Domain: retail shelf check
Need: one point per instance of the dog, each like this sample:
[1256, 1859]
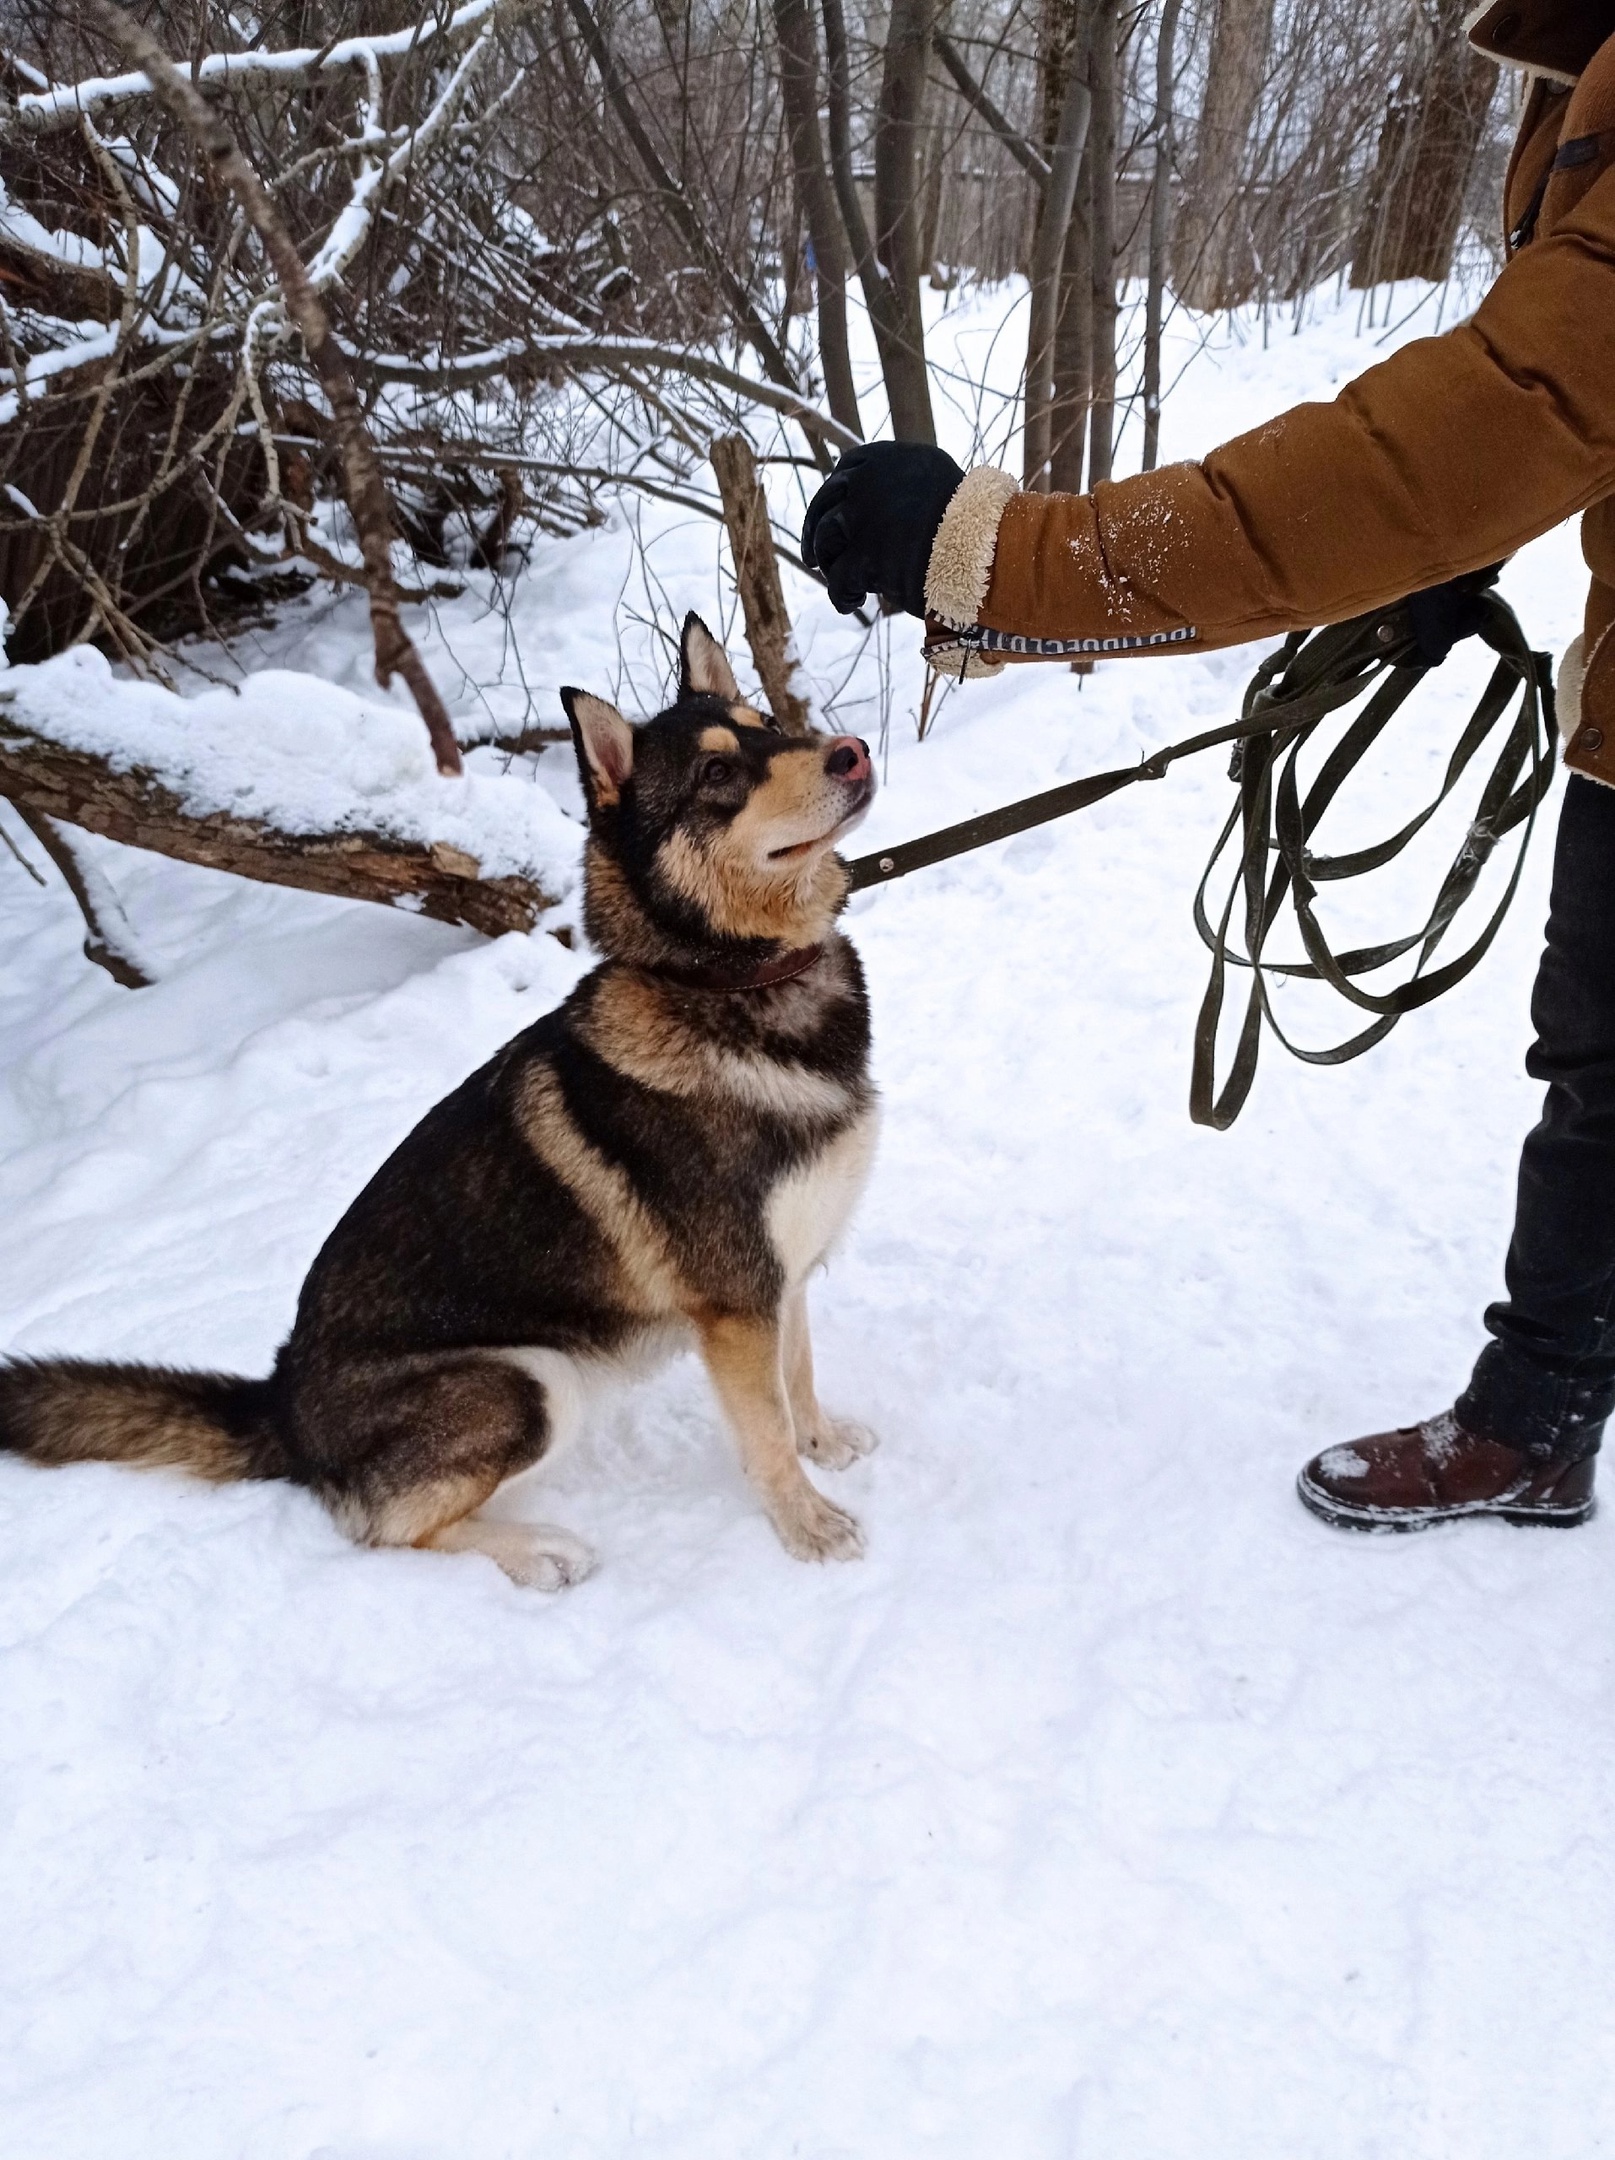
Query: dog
[662, 1161]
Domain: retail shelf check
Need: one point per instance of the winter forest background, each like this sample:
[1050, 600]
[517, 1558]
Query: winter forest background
[1110, 1808]
[567, 250]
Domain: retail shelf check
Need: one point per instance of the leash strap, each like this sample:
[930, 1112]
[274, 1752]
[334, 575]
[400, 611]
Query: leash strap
[1295, 689]
[1019, 817]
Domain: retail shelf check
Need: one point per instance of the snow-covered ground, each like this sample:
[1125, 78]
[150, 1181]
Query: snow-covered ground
[1111, 1809]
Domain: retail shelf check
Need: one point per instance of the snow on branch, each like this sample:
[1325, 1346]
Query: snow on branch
[41, 112]
[154, 353]
[352, 227]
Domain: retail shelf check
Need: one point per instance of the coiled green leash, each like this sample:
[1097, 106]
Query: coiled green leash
[1310, 677]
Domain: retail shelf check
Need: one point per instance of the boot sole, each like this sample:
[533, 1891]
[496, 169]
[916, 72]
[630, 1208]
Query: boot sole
[1342, 1515]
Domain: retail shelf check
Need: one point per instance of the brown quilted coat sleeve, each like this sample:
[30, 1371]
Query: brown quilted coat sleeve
[1447, 456]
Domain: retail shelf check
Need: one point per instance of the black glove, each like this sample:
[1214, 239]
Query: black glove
[870, 527]
[1442, 615]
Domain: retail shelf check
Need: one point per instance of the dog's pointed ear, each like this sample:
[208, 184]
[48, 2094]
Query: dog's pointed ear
[704, 668]
[604, 742]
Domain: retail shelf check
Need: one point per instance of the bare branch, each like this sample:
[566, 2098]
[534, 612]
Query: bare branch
[479, 458]
[676, 201]
[1026, 157]
[367, 490]
[108, 939]
[12, 848]
[617, 355]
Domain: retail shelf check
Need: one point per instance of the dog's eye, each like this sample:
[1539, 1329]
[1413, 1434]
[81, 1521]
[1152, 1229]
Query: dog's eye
[716, 771]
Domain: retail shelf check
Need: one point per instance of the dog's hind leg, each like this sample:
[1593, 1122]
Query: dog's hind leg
[538, 1556]
[830, 1441]
[438, 1443]
[744, 1356]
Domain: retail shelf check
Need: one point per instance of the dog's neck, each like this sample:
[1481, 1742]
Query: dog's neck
[728, 976]
[623, 931]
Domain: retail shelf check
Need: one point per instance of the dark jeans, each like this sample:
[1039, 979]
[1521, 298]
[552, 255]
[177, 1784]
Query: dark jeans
[1546, 1381]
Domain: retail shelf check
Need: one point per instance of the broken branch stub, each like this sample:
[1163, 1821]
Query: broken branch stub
[762, 598]
[367, 494]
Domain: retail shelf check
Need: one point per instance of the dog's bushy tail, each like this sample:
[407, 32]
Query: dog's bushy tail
[66, 1410]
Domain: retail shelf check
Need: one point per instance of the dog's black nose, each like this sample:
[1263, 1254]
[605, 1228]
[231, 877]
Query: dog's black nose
[847, 758]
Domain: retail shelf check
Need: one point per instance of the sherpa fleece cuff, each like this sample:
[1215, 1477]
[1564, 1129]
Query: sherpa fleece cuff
[961, 565]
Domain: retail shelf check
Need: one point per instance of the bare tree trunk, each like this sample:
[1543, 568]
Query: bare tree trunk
[898, 121]
[1059, 328]
[1072, 387]
[902, 362]
[798, 38]
[1102, 164]
[1166, 39]
[931, 195]
[1048, 257]
[1214, 263]
[1433, 125]
[1063, 58]
[367, 494]
[762, 599]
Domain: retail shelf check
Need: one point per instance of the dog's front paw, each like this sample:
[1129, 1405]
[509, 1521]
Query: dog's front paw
[813, 1528]
[836, 1442]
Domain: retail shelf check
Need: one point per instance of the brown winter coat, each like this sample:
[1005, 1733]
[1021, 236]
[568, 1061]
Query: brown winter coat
[1447, 456]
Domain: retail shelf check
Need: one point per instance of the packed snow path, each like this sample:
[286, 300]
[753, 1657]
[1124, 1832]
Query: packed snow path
[1111, 1809]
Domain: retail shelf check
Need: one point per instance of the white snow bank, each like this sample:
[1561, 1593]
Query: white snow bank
[302, 754]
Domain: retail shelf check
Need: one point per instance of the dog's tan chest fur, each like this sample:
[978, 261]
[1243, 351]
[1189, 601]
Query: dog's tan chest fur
[808, 1210]
[633, 1027]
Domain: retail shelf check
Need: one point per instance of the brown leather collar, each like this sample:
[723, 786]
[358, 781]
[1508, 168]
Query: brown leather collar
[785, 969]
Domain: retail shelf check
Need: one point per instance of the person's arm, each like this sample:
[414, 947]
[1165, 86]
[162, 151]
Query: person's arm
[1450, 454]
[1453, 452]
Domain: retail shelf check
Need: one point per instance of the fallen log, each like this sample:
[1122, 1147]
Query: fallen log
[79, 787]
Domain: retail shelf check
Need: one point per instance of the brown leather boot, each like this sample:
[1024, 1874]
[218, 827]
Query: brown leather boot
[1436, 1472]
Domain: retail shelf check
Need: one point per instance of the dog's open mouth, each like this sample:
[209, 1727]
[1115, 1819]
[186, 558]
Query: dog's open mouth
[799, 848]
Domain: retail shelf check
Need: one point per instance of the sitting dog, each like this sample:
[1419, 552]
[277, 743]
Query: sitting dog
[664, 1160]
